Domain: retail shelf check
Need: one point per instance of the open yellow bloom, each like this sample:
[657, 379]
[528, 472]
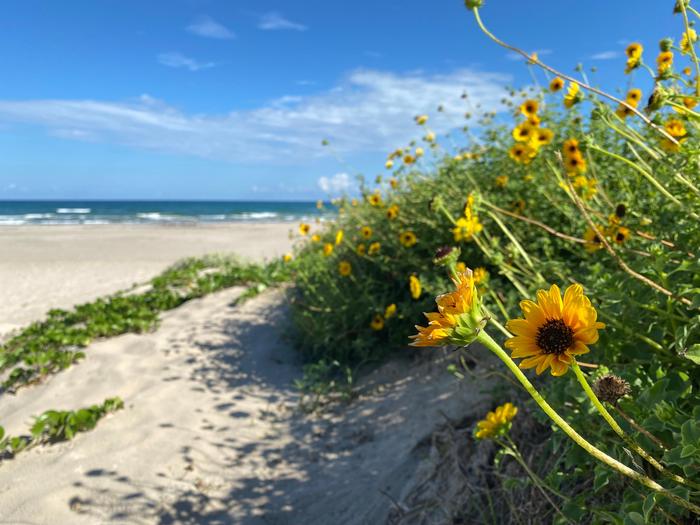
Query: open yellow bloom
[408, 159]
[389, 164]
[361, 249]
[588, 186]
[415, 286]
[374, 248]
[634, 56]
[522, 153]
[327, 249]
[344, 268]
[338, 237]
[501, 181]
[573, 95]
[496, 423]
[593, 242]
[480, 275]
[377, 322]
[557, 84]
[677, 130]
[419, 152]
[664, 62]
[392, 212]
[529, 107]
[466, 227]
[390, 311]
[524, 131]
[554, 331]
[408, 239]
[287, 257]
[633, 97]
[375, 199]
[570, 148]
[366, 232]
[621, 235]
[458, 319]
[687, 40]
[315, 237]
[575, 164]
[421, 119]
[304, 228]
[541, 137]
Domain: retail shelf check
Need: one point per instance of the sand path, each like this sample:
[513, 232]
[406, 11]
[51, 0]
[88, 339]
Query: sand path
[210, 434]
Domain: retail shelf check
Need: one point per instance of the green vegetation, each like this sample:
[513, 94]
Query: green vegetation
[54, 426]
[56, 343]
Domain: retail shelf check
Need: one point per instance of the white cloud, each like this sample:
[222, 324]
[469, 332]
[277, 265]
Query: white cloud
[273, 20]
[606, 55]
[517, 56]
[336, 185]
[368, 111]
[178, 60]
[209, 28]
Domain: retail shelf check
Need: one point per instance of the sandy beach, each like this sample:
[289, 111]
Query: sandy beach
[44, 267]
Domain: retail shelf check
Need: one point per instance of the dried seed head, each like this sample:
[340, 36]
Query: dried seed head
[611, 388]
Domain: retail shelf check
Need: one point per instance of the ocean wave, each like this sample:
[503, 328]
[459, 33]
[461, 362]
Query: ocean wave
[76, 211]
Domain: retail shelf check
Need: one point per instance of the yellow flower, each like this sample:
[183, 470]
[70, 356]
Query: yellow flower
[573, 95]
[587, 186]
[361, 249]
[458, 158]
[415, 286]
[466, 227]
[524, 131]
[460, 267]
[541, 137]
[315, 237]
[501, 181]
[375, 199]
[408, 239]
[556, 84]
[480, 275]
[394, 182]
[529, 107]
[633, 97]
[354, 202]
[458, 318]
[327, 249]
[664, 62]
[366, 232]
[687, 71]
[621, 235]
[390, 311]
[496, 423]
[392, 212]
[534, 121]
[344, 268]
[319, 205]
[377, 322]
[408, 159]
[575, 164]
[570, 148]
[338, 237]
[287, 257]
[593, 242]
[421, 119]
[554, 331]
[634, 56]
[374, 248]
[304, 228]
[522, 153]
[420, 152]
[623, 111]
[677, 130]
[690, 102]
[687, 40]
[389, 164]
[429, 137]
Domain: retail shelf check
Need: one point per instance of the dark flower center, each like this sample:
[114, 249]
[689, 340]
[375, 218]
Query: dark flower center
[554, 337]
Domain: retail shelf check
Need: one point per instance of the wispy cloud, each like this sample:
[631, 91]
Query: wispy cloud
[335, 185]
[517, 56]
[274, 21]
[209, 28]
[368, 111]
[606, 55]
[178, 60]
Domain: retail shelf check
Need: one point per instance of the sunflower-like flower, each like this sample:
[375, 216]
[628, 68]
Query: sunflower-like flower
[377, 322]
[676, 129]
[496, 423]
[593, 242]
[408, 159]
[304, 228]
[415, 286]
[634, 56]
[375, 199]
[327, 249]
[524, 131]
[687, 40]
[573, 95]
[315, 237]
[554, 331]
[374, 248]
[501, 181]
[458, 319]
[522, 153]
[529, 107]
[621, 235]
[392, 212]
[557, 84]
[287, 257]
[366, 232]
[664, 62]
[541, 137]
[481, 275]
[575, 164]
[344, 268]
[361, 249]
[408, 239]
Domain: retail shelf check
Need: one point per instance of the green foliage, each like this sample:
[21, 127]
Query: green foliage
[55, 343]
[57, 425]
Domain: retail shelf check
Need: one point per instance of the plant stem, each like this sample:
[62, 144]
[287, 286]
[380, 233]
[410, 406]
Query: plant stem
[618, 430]
[601, 456]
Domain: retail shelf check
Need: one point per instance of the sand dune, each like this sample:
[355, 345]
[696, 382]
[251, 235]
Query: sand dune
[44, 267]
[210, 433]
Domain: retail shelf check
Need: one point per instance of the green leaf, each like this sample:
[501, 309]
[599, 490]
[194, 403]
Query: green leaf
[693, 353]
[634, 518]
[688, 451]
[649, 503]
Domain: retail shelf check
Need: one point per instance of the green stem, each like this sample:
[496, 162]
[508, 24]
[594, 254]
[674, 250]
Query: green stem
[601, 456]
[618, 430]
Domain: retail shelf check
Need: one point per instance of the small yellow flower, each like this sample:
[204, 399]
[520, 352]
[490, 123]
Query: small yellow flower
[327, 249]
[287, 257]
[377, 322]
[480, 275]
[315, 237]
[588, 186]
[687, 40]
[408, 239]
[408, 159]
[677, 130]
[593, 242]
[690, 102]
[392, 212]
[361, 249]
[575, 164]
[466, 227]
[501, 181]
[421, 119]
[623, 111]
[415, 286]
[570, 148]
[390, 311]
[664, 62]
[460, 267]
[496, 423]
[389, 164]
[304, 228]
[534, 121]
[374, 248]
[366, 232]
[419, 152]
[338, 237]
[634, 56]
[344, 268]
[522, 153]
[529, 107]
[557, 84]
[633, 97]
[394, 182]
[687, 71]
[429, 137]
[621, 235]
[375, 199]
[573, 95]
[554, 331]
[541, 137]
[524, 131]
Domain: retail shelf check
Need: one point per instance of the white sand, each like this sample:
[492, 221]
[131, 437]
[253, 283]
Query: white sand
[209, 434]
[43, 267]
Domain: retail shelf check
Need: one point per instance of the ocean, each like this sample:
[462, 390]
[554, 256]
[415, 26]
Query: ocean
[13, 213]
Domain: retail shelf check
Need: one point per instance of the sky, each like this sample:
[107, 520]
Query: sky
[230, 100]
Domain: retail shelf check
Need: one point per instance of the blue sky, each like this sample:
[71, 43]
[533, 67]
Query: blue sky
[216, 99]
